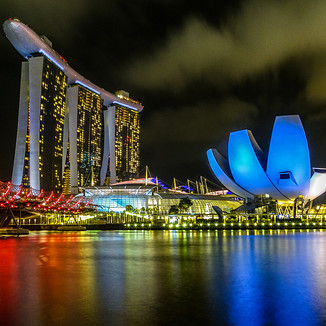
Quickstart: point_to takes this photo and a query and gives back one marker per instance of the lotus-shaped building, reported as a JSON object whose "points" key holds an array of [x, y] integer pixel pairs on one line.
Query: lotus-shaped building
{"points": [[285, 174]]}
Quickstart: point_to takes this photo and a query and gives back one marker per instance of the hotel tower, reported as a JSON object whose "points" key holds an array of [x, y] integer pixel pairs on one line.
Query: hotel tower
{"points": [[71, 133]]}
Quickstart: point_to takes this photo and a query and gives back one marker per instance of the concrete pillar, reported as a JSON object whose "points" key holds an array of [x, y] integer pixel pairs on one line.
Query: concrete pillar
{"points": [[35, 88], [65, 137], [72, 100], [18, 168], [109, 145]]}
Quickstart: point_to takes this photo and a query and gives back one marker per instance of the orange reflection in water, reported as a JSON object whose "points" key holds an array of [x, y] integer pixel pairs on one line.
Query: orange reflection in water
{"points": [[162, 277], [46, 279]]}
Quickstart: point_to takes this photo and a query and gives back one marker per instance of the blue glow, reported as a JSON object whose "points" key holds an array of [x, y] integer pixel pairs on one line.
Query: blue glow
{"points": [[288, 151], [246, 169], [158, 182], [126, 105], [186, 188], [219, 168], [287, 173], [51, 58], [117, 203], [85, 85]]}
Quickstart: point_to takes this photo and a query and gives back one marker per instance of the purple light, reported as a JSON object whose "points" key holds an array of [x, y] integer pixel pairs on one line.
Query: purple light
{"points": [[51, 58], [90, 88], [123, 104]]}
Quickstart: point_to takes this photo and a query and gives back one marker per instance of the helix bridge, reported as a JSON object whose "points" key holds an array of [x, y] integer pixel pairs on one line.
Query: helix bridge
{"points": [[20, 200]]}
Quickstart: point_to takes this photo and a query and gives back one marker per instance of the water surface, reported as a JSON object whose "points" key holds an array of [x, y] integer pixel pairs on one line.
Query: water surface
{"points": [[164, 278]]}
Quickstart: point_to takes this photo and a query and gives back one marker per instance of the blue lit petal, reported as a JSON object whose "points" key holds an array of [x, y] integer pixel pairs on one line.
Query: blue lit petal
{"points": [[317, 184], [222, 172], [288, 164], [246, 160]]}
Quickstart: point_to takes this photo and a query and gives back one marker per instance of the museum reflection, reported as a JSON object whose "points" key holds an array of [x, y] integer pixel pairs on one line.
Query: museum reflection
{"points": [[164, 277]]}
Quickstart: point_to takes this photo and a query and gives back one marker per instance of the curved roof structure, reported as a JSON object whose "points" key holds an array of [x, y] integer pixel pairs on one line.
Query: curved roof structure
{"points": [[288, 151], [285, 175], [246, 163], [220, 167], [116, 199], [27, 43]]}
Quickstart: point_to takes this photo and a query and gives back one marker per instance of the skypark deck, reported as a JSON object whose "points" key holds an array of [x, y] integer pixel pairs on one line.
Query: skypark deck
{"points": [[27, 43]]}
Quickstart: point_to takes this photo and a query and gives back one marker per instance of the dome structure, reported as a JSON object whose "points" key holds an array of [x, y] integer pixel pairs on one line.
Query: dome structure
{"points": [[285, 174]]}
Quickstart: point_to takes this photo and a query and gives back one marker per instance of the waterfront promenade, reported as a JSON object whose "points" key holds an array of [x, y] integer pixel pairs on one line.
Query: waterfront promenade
{"points": [[200, 224]]}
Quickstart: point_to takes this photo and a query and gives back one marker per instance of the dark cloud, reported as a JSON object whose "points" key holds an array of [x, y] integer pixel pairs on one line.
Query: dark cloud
{"points": [[200, 122], [261, 36], [54, 18], [179, 137]]}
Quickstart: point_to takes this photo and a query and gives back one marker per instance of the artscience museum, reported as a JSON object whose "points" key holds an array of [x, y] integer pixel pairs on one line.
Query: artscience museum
{"points": [[286, 172]]}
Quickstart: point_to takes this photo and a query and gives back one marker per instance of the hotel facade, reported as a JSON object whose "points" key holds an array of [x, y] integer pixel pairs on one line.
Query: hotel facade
{"points": [[71, 133]]}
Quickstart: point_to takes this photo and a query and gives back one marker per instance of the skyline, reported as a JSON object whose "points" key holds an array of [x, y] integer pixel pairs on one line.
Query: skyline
{"points": [[192, 102]]}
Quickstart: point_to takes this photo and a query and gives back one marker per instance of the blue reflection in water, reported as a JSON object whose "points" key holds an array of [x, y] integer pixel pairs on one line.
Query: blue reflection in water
{"points": [[164, 278], [272, 279]]}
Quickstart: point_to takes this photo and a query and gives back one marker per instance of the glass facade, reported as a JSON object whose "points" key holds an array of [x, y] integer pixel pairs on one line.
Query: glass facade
{"points": [[126, 143], [52, 111], [201, 204], [48, 95], [116, 199], [66, 173], [53, 101], [26, 170], [117, 202], [49, 129], [89, 137]]}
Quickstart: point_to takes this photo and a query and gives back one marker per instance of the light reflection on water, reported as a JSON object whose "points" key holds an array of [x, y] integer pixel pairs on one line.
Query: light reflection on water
{"points": [[269, 277]]}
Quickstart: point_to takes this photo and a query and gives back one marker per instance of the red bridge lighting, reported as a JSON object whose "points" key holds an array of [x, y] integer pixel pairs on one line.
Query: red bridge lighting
{"points": [[14, 197]]}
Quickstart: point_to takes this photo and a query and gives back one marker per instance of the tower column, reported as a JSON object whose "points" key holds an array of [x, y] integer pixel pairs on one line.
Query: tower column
{"points": [[65, 138], [109, 145], [72, 100], [35, 87], [18, 168]]}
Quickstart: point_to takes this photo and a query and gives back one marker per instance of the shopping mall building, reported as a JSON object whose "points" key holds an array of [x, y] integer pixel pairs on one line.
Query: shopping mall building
{"points": [[149, 196]]}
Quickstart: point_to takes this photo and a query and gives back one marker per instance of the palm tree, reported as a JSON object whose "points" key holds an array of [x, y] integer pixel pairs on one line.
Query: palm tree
{"points": [[184, 204], [174, 209]]}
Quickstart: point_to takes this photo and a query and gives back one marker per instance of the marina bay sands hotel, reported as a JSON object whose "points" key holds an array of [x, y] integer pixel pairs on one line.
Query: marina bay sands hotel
{"points": [[71, 133]]}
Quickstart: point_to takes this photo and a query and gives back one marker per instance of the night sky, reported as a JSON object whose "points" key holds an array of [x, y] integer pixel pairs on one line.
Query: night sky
{"points": [[201, 70]]}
